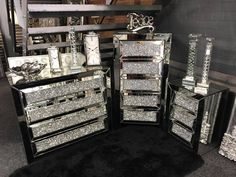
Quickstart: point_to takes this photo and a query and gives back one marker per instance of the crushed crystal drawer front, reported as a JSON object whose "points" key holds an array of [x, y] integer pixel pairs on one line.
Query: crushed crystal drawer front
{"points": [[144, 100], [139, 115], [181, 132], [40, 113], [141, 84], [41, 93], [183, 115], [142, 48], [66, 137], [186, 102], [52, 125], [142, 68]]}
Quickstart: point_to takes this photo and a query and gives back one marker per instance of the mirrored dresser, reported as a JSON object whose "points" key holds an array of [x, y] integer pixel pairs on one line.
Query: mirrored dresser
{"points": [[57, 111], [141, 61]]}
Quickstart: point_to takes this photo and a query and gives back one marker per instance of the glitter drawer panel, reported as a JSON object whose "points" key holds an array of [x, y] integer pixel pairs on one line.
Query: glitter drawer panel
{"points": [[52, 125], [183, 116], [46, 92], [187, 102], [139, 115], [39, 113], [144, 100], [181, 132], [68, 136], [142, 48], [141, 84], [142, 68]]}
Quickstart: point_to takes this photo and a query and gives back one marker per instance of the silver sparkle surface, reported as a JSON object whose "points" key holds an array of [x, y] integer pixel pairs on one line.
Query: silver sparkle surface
{"points": [[183, 116], [142, 68], [186, 101], [40, 113], [140, 115], [145, 100], [41, 93], [192, 55], [69, 136], [207, 60], [181, 132], [58, 123], [142, 48], [228, 147], [139, 21], [141, 84], [205, 129]]}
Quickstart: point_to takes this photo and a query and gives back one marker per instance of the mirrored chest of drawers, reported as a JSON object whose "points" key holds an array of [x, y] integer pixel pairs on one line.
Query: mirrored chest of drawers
{"points": [[141, 61], [56, 112], [194, 118]]}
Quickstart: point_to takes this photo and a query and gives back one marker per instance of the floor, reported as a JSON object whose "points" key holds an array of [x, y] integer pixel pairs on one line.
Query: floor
{"points": [[12, 151]]}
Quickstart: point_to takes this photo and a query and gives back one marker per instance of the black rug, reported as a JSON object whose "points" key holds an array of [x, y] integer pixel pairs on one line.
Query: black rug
{"points": [[132, 151]]}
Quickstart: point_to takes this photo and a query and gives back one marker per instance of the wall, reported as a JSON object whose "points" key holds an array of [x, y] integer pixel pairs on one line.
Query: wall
{"points": [[215, 18]]}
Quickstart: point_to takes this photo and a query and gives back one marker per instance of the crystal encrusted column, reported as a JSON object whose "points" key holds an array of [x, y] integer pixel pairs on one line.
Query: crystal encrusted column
{"points": [[74, 64], [202, 87], [189, 81]]}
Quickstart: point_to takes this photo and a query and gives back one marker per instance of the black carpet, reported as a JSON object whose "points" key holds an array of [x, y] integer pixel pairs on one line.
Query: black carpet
{"points": [[132, 151]]}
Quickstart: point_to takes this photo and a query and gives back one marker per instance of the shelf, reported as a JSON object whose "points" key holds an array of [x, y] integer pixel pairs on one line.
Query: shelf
{"points": [[63, 10], [81, 28]]}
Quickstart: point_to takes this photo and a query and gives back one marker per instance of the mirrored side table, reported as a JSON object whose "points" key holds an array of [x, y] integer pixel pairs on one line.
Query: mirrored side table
{"points": [[188, 113]]}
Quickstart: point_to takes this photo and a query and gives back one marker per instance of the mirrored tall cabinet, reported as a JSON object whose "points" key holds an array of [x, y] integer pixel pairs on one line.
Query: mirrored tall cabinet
{"points": [[141, 62]]}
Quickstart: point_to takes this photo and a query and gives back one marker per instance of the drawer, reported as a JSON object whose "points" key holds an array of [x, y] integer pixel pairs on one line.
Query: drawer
{"points": [[68, 136], [183, 115], [181, 132], [141, 84], [186, 102], [139, 115], [154, 68], [66, 121], [46, 92], [39, 113], [141, 100], [142, 48]]}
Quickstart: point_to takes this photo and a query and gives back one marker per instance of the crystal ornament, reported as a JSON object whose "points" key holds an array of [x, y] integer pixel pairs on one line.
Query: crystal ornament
{"points": [[189, 81], [75, 64], [58, 123], [139, 115], [202, 87], [68, 136], [40, 113], [228, 147]]}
